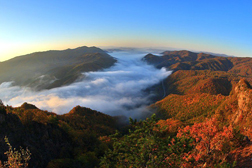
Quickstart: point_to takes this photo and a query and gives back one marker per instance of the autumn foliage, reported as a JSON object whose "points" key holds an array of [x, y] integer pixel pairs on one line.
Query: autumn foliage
{"points": [[212, 143], [169, 126], [168, 143], [191, 107], [15, 158], [56, 140]]}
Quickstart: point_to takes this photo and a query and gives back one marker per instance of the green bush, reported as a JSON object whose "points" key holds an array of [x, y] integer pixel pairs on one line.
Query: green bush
{"points": [[145, 147]]}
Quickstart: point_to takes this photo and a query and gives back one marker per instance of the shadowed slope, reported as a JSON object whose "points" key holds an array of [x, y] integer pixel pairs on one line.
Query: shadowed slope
{"points": [[44, 70], [59, 139]]}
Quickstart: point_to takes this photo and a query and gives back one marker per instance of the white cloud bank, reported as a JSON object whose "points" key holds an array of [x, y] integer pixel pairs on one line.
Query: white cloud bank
{"points": [[114, 91]]}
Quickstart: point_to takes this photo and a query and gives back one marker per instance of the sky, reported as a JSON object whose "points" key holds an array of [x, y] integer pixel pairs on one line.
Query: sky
{"points": [[215, 26]]}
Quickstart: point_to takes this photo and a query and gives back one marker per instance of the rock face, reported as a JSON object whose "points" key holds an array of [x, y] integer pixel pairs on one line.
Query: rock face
{"points": [[243, 91]]}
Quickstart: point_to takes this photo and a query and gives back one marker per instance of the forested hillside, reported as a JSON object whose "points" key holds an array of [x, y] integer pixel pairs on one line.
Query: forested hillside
{"points": [[49, 69], [69, 140], [205, 88]]}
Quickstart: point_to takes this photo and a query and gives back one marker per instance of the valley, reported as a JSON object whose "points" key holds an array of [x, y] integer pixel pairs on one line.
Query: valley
{"points": [[116, 90], [201, 105]]}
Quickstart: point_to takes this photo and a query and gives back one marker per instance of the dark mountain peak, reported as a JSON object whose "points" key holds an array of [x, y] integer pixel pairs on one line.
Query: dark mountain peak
{"points": [[82, 111], [27, 106], [89, 116], [152, 59], [150, 55]]}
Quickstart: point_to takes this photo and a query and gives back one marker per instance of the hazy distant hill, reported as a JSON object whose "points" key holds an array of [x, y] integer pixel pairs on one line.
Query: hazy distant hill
{"points": [[44, 70]]}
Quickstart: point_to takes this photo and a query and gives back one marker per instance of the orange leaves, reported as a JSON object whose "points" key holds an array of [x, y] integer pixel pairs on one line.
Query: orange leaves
{"points": [[210, 140], [169, 125], [221, 138]]}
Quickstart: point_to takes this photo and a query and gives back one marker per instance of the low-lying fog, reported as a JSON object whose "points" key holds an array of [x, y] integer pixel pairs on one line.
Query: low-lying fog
{"points": [[118, 90]]}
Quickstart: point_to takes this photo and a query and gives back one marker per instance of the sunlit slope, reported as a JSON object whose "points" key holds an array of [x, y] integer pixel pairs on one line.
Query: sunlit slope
{"points": [[200, 81], [199, 84], [234, 109], [43, 70], [189, 108], [187, 60]]}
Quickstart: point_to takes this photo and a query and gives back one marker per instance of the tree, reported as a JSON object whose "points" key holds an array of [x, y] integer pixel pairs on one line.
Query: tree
{"points": [[211, 143], [1, 103]]}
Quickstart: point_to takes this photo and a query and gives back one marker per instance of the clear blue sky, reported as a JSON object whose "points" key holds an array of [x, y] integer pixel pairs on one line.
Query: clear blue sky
{"points": [[221, 26]]}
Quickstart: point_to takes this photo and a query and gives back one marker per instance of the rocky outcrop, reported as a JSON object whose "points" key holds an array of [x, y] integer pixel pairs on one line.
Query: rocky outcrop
{"points": [[243, 92]]}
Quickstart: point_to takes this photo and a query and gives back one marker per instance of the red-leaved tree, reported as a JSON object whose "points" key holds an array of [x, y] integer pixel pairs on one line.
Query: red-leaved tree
{"points": [[211, 143]]}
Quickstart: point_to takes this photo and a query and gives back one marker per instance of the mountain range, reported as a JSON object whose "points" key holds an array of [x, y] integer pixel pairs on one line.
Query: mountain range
{"points": [[204, 117], [186, 60], [198, 76]]}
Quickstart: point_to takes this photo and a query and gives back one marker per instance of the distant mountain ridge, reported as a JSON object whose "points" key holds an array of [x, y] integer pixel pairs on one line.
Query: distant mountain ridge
{"points": [[187, 60], [54, 68], [203, 85]]}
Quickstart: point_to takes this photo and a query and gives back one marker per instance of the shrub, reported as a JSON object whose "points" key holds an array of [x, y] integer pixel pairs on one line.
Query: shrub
{"points": [[16, 159]]}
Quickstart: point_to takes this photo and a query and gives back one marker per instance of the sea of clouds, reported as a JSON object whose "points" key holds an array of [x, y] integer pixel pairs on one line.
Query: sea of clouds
{"points": [[118, 90]]}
